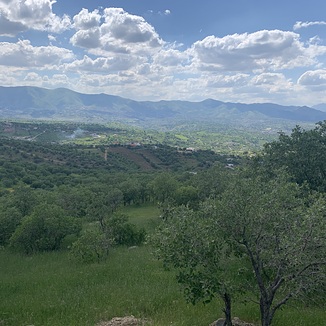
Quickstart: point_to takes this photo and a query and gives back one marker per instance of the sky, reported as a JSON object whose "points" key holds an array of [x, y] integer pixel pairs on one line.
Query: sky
{"points": [[245, 51]]}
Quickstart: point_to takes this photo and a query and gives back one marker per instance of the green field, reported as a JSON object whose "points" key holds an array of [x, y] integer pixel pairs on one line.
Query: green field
{"points": [[51, 289]]}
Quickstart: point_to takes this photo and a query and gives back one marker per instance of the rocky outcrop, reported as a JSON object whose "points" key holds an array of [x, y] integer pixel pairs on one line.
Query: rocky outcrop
{"points": [[123, 321]]}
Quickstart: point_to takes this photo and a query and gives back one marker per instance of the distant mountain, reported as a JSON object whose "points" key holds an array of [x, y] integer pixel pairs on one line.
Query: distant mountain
{"points": [[66, 105], [320, 107]]}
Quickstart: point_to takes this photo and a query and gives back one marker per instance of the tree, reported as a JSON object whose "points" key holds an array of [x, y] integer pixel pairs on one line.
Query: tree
{"points": [[9, 220], [23, 198], [164, 186], [131, 190], [211, 182], [104, 204], [270, 228], [122, 232], [302, 153], [187, 195], [190, 242], [44, 229], [74, 200], [283, 236]]}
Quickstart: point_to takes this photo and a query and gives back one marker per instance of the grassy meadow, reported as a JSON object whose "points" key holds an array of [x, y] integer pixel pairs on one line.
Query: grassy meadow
{"points": [[51, 289]]}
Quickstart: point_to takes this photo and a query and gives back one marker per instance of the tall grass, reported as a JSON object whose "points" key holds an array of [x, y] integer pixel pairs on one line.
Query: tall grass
{"points": [[50, 289]]}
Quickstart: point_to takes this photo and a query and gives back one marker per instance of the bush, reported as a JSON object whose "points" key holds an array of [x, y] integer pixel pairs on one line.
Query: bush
{"points": [[92, 246], [43, 230], [122, 232]]}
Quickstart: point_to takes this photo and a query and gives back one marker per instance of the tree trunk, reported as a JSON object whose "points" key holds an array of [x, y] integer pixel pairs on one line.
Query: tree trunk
{"points": [[227, 309], [265, 312]]}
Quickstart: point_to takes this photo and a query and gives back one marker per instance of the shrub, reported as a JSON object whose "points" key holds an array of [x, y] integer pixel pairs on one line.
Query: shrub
{"points": [[43, 230], [92, 246], [122, 232]]}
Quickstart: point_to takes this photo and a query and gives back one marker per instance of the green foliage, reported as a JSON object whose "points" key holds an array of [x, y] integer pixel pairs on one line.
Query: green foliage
{"points": [[187, 195], [92, 246], [10, 218], [122, 232], [23, 198], [192, 243], [282, 235], [164, 187], [132, 190], [103, 203], [302, 153], [212, 181], [43, 230]]}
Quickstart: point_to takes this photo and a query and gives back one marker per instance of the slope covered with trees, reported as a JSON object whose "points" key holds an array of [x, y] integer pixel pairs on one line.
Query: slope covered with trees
{"points": [[249, 229]]}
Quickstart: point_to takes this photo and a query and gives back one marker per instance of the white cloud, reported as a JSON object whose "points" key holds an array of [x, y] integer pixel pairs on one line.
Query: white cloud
{"points": [[313, 78], [120, 32], [86, 19], [88, 39], [23, 54], [271, 83], [263, 50], [33, 77], [300, 24], [19, 15], [227, 81], [122, 54], [52, 38], [102, 65], [170, 57]]}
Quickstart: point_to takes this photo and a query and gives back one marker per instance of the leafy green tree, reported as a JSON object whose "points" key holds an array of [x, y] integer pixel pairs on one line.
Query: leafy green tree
{"points": [[190, 242], [74, 200], [24, 199], [211, 182], [282, 235], [122, 232], [104, 204], [10, 218], [131, 190], [44, 229], [187, 195], [302, 154], [164, 186]]}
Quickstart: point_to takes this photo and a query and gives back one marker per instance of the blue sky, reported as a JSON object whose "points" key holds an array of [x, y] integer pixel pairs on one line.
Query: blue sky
{"points": [[237, 50]]}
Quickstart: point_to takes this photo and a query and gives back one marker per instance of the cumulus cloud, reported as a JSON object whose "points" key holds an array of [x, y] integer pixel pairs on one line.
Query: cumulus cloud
{"points": [[313, 78], [114, 31], [170, 57], [88, 39], [270, 83], [23, 54], [264, 50], [86, 19], [300, 24], [19, 15], [227, 81], [102, 65]]}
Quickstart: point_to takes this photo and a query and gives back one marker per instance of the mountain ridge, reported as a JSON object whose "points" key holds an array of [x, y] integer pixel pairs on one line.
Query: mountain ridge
{"points": [[28, 102]]}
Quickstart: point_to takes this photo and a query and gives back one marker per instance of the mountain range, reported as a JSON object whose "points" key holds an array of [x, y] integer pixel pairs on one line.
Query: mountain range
{"points": [[25, 102]]}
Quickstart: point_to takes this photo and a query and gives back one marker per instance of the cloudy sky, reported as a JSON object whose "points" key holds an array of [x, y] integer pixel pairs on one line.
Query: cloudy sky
{"points": [[230, 50]]}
